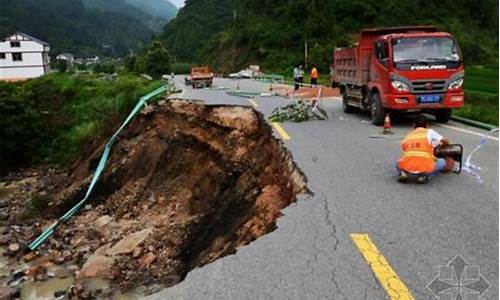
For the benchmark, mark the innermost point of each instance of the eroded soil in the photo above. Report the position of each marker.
(186, 184)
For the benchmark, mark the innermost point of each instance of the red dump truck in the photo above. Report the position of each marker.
(200, 77)
(400, 69)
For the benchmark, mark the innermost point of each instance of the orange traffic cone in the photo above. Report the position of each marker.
(387, 125)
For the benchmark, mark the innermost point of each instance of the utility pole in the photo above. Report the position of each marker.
(233, 54)
(305, 54)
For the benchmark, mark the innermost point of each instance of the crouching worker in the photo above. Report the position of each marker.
(418, 153)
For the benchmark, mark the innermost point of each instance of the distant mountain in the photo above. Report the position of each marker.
(154, 13)
(117, 6)
(157, 8)
(71, 26)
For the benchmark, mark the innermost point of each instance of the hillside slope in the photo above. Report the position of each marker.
(118, 6)
(196, 23)
(163, 9)
(273, 33)
(69, 26)
(153, 13)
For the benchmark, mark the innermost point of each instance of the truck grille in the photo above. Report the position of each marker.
(428, 86)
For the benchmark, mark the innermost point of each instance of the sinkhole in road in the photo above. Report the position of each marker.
(186, 184)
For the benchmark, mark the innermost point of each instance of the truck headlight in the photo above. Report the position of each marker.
(400, 86)
(456, 84)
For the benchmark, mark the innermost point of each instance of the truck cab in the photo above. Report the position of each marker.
(402, 69)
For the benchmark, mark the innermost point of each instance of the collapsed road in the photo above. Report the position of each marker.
(186, 184)
(313, 254)
(321, 247)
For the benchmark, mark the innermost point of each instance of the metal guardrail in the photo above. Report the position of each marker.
(102, 164)
(473, 123)
(270, 78)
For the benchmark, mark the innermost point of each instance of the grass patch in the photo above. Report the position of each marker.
(481, 95)
(480, 106)
(482, 79)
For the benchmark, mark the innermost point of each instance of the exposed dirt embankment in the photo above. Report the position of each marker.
(185, 185)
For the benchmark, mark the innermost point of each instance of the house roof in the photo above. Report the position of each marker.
(67, 55)
(27, 36)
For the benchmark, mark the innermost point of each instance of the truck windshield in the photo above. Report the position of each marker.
(429, 51)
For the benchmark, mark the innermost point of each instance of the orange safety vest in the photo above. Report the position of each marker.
(418, 153)
(314, 73)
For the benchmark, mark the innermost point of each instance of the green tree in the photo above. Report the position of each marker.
(157, 60)
(61, 65)
(130, 62)
(105, 68)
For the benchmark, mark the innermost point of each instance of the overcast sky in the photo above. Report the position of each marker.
(178, 3)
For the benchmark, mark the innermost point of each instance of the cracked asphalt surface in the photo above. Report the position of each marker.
(311, 255)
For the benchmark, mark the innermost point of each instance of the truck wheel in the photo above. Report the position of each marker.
(345, 106)
(376, 110)
(442, 115)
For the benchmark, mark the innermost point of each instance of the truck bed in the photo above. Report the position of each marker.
(345, 66)
(348, 68)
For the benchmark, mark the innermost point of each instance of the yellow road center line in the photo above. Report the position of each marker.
(253, 102)
(281, 131)
(395, 288)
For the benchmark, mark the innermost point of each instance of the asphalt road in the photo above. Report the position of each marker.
(311, 255)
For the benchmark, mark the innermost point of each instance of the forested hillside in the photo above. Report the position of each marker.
(154, 13)
(163, 9)
(230, 34)
(196, 23)
(69, 26)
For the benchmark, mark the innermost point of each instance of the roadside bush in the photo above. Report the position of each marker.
(59, 116)
(105, 68)
(81, 67)
(129, 62)
(60, 64)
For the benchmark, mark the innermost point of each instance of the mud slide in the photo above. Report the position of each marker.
(186, 184)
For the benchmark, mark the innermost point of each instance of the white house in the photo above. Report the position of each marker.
(23, 56)
(68, 57)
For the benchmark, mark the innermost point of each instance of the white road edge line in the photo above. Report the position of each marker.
(183, 91)
(254, 104)
(466, 131)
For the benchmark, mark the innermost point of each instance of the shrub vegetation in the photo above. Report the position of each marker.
(59, 116)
